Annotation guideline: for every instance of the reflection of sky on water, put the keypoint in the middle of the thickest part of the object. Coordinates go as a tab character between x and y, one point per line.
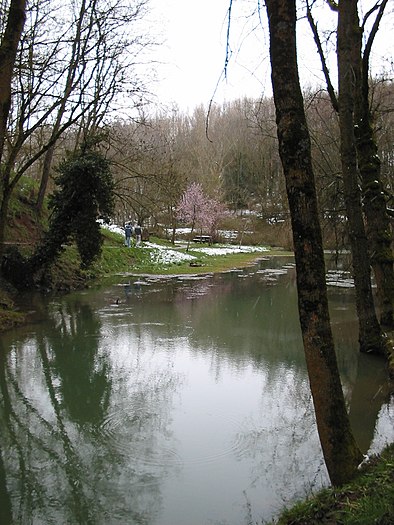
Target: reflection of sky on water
188	398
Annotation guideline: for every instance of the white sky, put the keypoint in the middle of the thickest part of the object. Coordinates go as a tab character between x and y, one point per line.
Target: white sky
192	56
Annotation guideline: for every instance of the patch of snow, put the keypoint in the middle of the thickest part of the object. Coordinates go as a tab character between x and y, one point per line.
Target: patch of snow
223	250
340	279
228	234
179	231
162	255
195	277
273	271
111	227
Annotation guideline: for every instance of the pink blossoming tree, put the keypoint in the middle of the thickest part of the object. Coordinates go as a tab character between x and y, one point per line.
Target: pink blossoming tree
200	211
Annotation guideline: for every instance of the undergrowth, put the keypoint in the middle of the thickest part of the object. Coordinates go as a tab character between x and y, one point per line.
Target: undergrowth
368	500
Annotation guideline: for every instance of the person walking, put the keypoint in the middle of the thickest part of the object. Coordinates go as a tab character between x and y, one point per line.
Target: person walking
138	234
128	231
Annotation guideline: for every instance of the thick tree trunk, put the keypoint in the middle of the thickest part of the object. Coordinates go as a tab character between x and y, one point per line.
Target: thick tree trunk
378	229
340	451
370	334
378	226
8	49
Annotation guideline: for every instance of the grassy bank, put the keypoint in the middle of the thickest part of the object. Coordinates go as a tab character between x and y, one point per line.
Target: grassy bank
66	274
368	500
116	258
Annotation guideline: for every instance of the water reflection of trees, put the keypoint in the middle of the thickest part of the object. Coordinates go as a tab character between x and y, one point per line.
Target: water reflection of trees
84	376
245	317
85	402
370	391
282	447
58	464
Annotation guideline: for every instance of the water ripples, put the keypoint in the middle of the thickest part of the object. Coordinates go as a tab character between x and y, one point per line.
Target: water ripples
137	432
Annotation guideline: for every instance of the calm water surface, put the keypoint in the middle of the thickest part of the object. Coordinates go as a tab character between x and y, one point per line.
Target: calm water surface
186	404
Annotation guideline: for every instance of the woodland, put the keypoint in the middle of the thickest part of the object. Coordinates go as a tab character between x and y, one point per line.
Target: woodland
319	161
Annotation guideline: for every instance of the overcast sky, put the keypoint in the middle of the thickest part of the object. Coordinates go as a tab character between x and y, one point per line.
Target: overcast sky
193	54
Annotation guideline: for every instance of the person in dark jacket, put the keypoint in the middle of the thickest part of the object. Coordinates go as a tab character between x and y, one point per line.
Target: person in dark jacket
138	234
128	231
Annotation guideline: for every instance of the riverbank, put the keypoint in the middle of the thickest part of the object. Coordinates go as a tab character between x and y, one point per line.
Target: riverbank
368	500
156	257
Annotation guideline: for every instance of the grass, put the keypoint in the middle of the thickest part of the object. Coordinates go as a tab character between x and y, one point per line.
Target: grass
66	274
117	258
368	500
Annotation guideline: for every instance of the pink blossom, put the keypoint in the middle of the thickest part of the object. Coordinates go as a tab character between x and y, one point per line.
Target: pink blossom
200	211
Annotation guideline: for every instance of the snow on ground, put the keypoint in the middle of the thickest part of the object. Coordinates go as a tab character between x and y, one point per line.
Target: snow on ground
225	249
163	255
112	228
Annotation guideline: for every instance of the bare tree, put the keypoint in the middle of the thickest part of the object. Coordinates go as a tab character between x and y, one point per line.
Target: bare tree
71	74
378	229
8	50
370	335
340	451
148	173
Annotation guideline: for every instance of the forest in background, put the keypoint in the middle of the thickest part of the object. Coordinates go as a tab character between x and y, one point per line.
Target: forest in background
87	82
232	151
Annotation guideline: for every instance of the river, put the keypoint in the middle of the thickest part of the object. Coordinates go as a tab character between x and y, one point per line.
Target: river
173	401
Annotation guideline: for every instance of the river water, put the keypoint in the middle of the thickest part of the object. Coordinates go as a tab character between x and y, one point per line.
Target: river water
187	403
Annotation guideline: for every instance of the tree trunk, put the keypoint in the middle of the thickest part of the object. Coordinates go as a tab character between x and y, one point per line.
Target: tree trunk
8	49
378	227
77	49
370	335
46	171
6	194
340	451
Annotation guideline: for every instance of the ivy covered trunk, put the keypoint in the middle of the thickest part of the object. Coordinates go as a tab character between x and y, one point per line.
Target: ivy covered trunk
378	228
340	450
370	334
